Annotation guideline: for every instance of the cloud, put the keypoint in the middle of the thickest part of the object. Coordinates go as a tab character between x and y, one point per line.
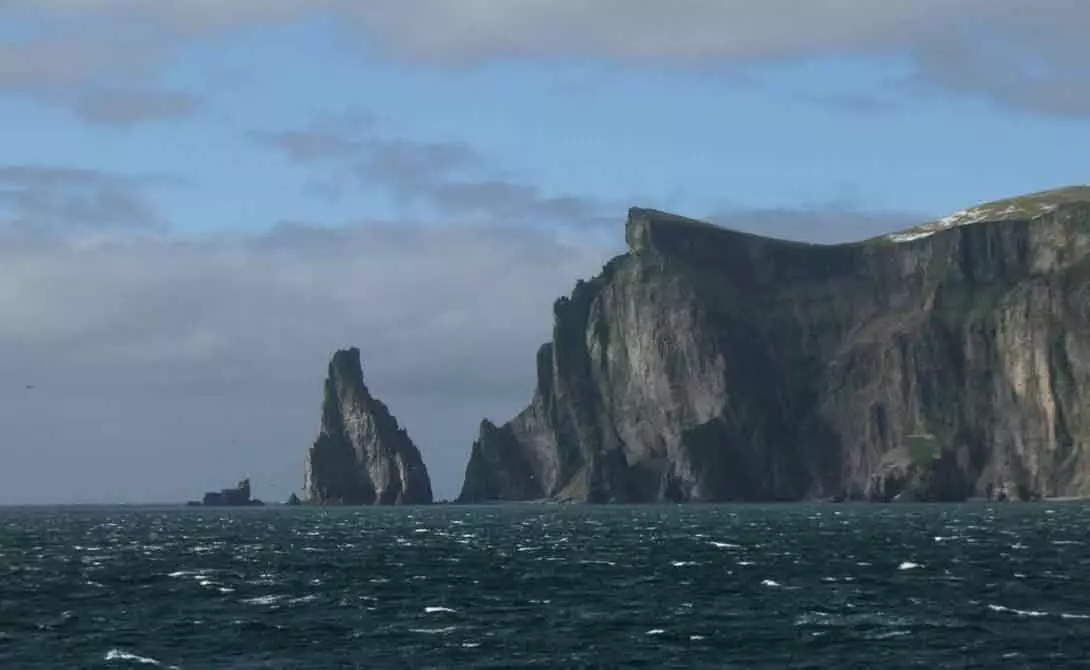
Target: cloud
162	365
98	70
40	199
447	177
127	107
1021	53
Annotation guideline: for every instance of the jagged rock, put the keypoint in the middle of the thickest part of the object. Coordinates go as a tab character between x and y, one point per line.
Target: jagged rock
362	456
293	500
708	364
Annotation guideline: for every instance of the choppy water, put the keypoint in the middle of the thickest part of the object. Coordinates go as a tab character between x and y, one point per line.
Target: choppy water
807	586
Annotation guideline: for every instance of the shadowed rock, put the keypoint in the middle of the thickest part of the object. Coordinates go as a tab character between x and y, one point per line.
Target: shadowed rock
704	364
361	456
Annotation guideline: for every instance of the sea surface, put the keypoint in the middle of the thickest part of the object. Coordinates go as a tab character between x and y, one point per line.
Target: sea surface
542	586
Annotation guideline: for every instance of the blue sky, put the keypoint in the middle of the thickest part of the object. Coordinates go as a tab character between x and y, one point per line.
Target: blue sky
199	201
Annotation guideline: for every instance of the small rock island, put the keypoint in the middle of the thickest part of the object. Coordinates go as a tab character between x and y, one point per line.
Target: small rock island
239	496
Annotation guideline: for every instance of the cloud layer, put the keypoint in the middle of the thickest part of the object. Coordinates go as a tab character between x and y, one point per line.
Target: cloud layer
1026	54
202	359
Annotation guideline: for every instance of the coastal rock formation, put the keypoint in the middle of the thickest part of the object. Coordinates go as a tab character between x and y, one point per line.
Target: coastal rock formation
239	496
361	456
944	362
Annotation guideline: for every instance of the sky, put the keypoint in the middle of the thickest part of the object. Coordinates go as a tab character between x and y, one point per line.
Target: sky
201	200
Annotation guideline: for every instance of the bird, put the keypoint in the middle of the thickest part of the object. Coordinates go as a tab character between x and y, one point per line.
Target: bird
29	386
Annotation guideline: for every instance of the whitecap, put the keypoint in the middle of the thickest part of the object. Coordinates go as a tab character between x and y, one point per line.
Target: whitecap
908	565
1002	608
438	610
769	582
723	545
696	637
264	600
470	645
682	564
434	631
888	634
655	631
119	655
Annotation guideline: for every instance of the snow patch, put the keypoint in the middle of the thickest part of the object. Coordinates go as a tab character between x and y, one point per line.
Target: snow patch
965	217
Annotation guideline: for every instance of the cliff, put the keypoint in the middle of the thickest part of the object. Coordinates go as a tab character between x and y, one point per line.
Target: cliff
361	455
944	362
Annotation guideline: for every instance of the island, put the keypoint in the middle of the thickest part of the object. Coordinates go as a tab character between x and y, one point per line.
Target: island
239	496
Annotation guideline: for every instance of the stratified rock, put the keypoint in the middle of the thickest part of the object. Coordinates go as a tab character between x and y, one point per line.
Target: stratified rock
361	456
705	364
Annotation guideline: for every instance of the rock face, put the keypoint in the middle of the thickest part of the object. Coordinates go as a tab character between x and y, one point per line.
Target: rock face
948	361
361	456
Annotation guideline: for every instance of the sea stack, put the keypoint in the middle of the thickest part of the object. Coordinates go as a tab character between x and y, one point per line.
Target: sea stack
361	456
944	362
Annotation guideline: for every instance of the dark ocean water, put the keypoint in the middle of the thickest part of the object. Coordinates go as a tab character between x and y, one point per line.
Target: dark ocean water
792	586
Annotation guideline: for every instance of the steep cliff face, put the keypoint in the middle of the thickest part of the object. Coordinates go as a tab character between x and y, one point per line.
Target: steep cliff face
939	363
361	456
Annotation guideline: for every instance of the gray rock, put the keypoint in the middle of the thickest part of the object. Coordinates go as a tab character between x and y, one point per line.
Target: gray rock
361	456
711	365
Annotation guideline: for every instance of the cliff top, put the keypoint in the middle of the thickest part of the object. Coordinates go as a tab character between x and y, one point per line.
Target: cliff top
648	228
651	228
1019	208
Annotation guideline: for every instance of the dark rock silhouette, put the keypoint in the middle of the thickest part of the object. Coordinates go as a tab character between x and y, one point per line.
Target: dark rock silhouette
361	456
239	496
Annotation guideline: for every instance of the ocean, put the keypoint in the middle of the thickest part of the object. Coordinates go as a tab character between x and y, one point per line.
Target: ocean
547	586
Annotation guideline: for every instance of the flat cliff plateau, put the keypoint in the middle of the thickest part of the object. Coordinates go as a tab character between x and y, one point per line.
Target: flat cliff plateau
361	456
939	363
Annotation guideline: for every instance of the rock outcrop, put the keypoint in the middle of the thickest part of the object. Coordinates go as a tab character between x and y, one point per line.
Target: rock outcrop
940	363
239	496
361	456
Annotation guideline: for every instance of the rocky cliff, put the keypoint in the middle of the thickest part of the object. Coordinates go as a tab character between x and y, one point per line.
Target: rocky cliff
948	361
361	456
